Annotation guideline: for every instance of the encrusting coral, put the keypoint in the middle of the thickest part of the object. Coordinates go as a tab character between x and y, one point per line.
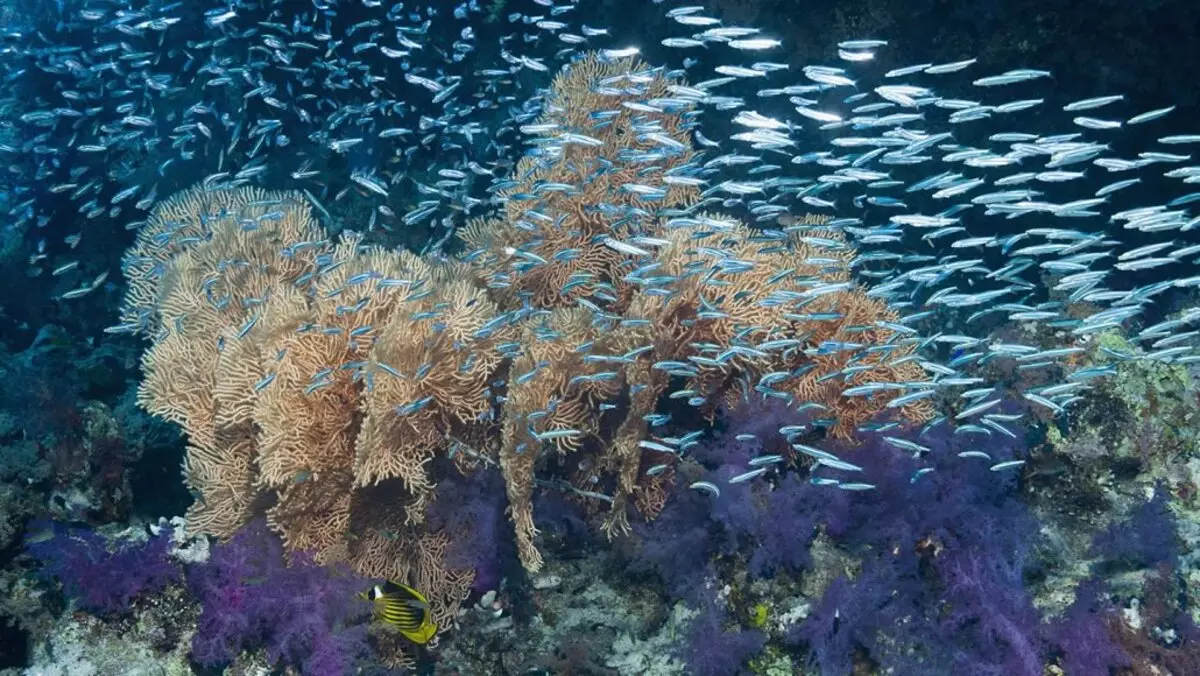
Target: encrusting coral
332	385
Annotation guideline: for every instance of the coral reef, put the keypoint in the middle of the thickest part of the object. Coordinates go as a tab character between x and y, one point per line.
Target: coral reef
578	618
327	384
943	571
605	354
273	386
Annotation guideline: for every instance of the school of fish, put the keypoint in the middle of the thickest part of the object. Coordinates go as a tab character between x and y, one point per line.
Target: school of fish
997	206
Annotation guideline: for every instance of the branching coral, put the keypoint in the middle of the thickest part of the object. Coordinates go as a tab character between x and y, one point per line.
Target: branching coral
291	361
202	267
606	148
602	216
731	313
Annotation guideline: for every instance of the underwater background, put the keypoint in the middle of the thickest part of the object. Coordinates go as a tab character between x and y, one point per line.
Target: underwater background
658	337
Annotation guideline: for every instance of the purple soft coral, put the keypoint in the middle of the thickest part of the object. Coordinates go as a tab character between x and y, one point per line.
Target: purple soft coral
102	576
989	611
303	613
1083	634
471	508
943	552
714	650
774	521
941	589
1146	540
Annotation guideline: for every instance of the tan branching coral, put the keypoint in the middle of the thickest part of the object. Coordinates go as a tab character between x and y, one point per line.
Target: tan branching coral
558	384
746	312
269	345
611	134
583	227
195	287
734	314
430	372
611	142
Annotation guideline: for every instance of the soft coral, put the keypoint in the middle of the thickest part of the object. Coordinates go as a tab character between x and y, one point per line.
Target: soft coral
102	576
713	649
943	556
1084	634
302	612
989	610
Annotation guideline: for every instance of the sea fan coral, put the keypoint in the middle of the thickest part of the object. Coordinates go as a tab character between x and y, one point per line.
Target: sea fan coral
267	351
552	245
